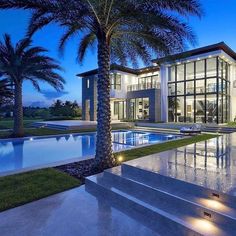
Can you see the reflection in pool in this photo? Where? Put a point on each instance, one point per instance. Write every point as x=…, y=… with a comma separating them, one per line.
x=22, y=153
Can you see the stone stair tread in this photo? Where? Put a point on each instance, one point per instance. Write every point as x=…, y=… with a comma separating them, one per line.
x=176, y=217
x=231, y=212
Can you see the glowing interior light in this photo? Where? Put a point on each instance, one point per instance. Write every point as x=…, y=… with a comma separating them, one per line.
x=31, y=139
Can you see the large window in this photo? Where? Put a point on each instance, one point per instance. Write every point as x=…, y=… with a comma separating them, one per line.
x=120, y=109
x=139, y=109
x=115, y=81
x=199, y=91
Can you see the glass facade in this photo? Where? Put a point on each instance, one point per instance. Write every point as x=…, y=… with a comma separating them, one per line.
x=120, y=109
x=198, y=91
x=144, y=83
x=115, y=81
x=139, y=109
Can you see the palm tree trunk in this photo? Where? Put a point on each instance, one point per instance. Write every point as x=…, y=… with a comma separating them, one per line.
x=104, y=155
x=18, y=111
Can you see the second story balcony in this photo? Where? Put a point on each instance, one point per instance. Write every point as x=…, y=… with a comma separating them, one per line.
x=144, y=86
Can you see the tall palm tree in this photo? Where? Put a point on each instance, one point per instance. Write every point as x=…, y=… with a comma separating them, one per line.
x=22, y=62
x=6, y=92
x=126, y=30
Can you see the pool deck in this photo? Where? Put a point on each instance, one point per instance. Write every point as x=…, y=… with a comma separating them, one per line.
x=208, y=165
x=78, y=124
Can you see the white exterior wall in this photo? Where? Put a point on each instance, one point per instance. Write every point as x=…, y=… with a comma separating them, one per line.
x=164, y=93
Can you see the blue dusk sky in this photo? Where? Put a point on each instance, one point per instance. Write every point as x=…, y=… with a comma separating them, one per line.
x=218, y=24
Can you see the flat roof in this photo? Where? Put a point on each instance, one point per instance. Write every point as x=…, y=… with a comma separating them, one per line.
x=210, y=48
x=123, y=69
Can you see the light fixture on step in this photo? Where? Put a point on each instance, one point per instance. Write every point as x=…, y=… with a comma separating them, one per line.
x=216, y=195
x=207, y=215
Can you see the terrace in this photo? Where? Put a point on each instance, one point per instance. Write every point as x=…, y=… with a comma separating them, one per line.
x=141, y=198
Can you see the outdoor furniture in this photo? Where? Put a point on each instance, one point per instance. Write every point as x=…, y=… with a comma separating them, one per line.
x=193, y=130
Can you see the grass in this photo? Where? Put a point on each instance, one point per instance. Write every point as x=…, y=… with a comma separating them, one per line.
x=161, y=147
x=231, y=124
x=8, y=123
x=16, y=190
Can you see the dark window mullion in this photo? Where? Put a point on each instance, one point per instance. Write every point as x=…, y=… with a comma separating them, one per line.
x=185, y=118
x=217, y=90
x=195, y=102
x=175, y=93
x=205, y=97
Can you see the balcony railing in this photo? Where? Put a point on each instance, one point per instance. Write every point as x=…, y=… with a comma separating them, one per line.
x=136, y=87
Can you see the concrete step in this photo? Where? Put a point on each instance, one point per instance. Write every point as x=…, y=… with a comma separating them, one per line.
x=176, y=201
x=158, y=220
x=170, y=214
x=156, y=180
x=50, y=126
x=205, y=128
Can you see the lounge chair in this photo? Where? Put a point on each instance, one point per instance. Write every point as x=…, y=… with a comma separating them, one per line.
x=195, y=129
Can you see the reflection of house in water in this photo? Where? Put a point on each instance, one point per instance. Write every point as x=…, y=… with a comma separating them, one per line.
x=18, y=156
x=88, y=143
x=203, y=162
x=130, y=138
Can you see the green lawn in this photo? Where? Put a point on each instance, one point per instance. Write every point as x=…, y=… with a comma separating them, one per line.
x=161, y=147
x=231, y=124
x=8, y=123
x=19, y=189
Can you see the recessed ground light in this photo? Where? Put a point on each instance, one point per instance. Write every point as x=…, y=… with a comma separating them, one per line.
x=216, y=195
x=207, y=215
x=120, y=158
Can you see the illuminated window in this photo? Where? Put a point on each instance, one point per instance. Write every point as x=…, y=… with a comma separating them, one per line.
x=88, y=83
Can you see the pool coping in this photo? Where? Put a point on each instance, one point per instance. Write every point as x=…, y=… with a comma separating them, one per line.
x=77, y=159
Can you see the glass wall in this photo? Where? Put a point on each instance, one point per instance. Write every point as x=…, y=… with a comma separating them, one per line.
x=120, y=109
x=139, y=109
x=115, y=81
x=199, y=91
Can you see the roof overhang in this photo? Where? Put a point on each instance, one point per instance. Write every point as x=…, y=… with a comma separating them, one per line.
x=198, y=51
x=122, y=69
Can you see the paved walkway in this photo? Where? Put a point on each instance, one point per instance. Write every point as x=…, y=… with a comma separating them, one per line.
x=74, y=212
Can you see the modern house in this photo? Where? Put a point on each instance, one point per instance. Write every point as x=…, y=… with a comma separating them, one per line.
x=195, y=86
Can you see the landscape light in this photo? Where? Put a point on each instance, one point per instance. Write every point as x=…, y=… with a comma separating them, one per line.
x=120, y=158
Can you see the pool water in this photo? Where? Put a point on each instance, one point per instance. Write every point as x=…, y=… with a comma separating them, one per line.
x=30, y=152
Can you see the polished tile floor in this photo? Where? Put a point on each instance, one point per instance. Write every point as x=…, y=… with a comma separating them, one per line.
x=211, y=163
x=74, y=212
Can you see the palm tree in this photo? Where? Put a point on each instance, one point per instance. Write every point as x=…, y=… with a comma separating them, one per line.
x=24, y=62
x=6, y=92
x=124, y=31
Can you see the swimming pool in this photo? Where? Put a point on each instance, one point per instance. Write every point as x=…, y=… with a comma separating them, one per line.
x=17, y=154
